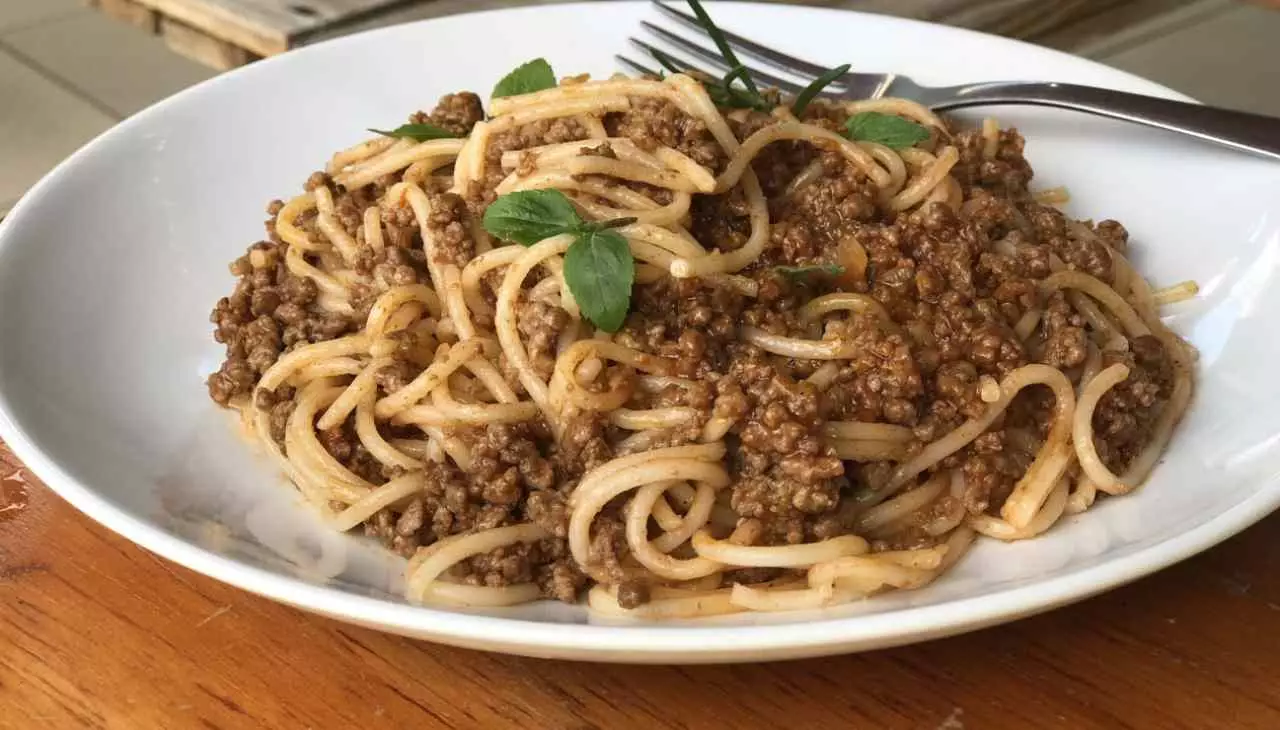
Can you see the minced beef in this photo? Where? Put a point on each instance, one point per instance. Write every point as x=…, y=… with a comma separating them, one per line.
x=787, y=477
x=684, y=320
x=457, y=113
x=1125, y=416
x=540, y=324
x=808, y=225
x=653, y=122
x=450, y=229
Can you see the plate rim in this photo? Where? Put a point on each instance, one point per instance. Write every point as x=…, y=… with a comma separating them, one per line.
x=639, y=642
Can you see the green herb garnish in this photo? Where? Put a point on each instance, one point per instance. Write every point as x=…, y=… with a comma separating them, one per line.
x=667, y=62
x=598, y=266
x=416, y=132
x=726, y=51
x=600, y=271
x=723, y=92
x=888, y=130
x=530, y=216
x=815, y=87
x=535, y=75
x=797, y=272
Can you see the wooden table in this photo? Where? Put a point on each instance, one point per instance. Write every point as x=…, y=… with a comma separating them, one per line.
x=95, y=632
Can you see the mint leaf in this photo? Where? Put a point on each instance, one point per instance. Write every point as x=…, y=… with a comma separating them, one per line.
x=417, y=132
x=535, y=75
x=815, y=87
x=802, y=271
x=888, y=130
x=600, y=271
x=598, y=266
x=530, y=216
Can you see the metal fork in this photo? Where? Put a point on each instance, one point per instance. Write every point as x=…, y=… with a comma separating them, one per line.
x=1239, y=130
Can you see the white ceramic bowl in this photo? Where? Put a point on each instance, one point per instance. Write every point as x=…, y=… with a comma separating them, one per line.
x=109, y=266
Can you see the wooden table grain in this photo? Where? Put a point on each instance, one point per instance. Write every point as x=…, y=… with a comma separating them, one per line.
x=95, y=632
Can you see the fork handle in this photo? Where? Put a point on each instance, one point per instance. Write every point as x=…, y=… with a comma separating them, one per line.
x=1240, y=130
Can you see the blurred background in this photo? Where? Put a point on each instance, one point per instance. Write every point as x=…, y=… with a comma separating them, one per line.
x=71, y=68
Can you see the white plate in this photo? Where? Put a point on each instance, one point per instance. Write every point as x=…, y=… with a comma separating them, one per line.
x=109, y=266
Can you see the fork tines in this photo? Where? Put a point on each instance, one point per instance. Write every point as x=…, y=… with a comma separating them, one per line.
x=702, y=56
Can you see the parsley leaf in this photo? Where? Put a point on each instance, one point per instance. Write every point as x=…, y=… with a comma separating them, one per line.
x=535, y=75
x=801, y=271
x=530, y=216
x=600, y=271
x=888, y=130
x=815, y=87
x=416, y=132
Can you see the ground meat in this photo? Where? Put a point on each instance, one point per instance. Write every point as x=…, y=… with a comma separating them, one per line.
x=541, y=323
x=778, y=163
x=546, y=563
x=343, y=445
x=808, y=224
x=280, y=411
x=449, y=224
x=582, y=446
x=506, y=464
x=506, y=459
x=786, y=476
x=882, y=382
x=395, y=265
x=989, y=474
x=395, y=376
x=603, y=149
x=534, y=134
x=457, y=113
x=689, y=321
x=1113, y=235
x=1125, y=416
x=1065, y=341
x=549, y=510
x=632, y=593
x=748, y=576
x=269, y=312
x=608, y=546
x=400, y=230
x=1006, y=174
x=1084, y=252
x=653, y=122
x=721, y=221
x=456, y=502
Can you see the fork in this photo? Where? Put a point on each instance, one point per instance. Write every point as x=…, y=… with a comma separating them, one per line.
x=1244, y=131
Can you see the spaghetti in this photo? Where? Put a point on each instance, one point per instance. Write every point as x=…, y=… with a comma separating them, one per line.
x=842, y=360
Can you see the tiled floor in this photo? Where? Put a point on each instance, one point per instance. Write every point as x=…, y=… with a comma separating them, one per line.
x=67, y=72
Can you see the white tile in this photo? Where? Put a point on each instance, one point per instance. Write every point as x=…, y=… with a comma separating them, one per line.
x=20, y=13
x=121, y=67
x=1231, y=59
x=41, y=124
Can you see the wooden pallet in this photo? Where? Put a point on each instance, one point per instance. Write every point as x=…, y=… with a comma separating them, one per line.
x=229, y=33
